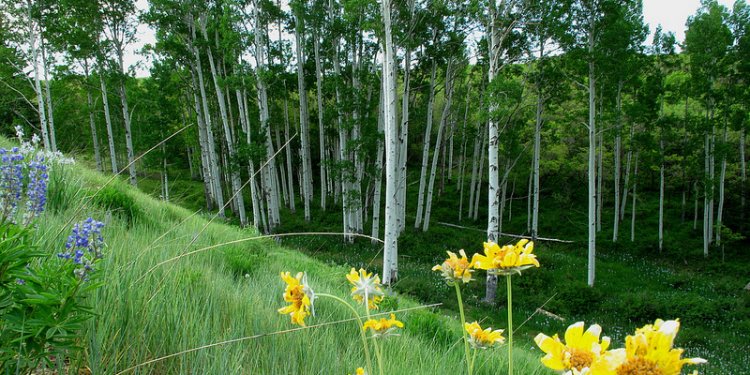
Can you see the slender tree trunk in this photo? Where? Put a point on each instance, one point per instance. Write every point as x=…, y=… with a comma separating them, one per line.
x=108, y=121
x=436, y=154
x=307, y=192
x=206, y=164
x=695, y=205
x=534, y=217
x=482, y=163
x=289, y=169
x=462, y=161
x=635, y=196
x=321, y=127
x=92, y=122
x=592, y=162
x=426, y=147
x=48, y=99
x=126, y=117
x=626, y=183
x=617, y=161
x=599, y=175
x=379, y=176
x=37, y=80
x=392, y=215
x=234, y=174
x=218, y=193
x=722, y=176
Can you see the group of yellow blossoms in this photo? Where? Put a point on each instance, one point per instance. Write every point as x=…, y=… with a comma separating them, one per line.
x=648, y=352
x=495, y=260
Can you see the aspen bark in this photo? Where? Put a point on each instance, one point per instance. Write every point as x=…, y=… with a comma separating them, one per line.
x=304, y=118
x=392, y=217
x=592, y=161
x=635, y=196
x=426, y=148
x=48, y=99
x=321, y=127
x=37, y=80
x=92, y=122
x=617, y=161
x=722, y=177
x=108, y=122
x=436, y=154
x=379, y=176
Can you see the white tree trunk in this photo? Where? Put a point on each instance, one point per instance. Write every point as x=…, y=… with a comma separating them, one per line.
x=436, y=154
x=304, y=119
x=37, y=80
x=599, y=177
x=108, y=121
x=535, y=163
x=289, y=169
x=237, y=197
x=426, y=147
x=213, y=158
x=635, y=196
x=626, y=181
x=126, y=115
x=321, y=127
x=379, y=176
x=92, y=121
x=617, y=152
x=592, y=162
x=722, y=177
x=208, y=180
x=48, y=99
x=482, y=163
x=392, y=217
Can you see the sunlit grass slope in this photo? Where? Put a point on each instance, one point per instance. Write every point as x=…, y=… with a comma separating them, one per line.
x=150, y=307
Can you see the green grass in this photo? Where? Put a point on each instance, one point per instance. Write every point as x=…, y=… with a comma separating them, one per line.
x=146, y=310
x=635, y=283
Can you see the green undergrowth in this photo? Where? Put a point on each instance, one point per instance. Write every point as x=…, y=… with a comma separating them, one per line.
x=159, y=299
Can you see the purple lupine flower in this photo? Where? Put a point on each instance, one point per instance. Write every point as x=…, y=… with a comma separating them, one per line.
x=84, y=246
x=11, y=182
x=36, y=190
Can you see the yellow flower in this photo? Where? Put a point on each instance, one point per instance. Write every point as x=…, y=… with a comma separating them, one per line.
x=383, y=327
x=581, y=352
x=360, y=371
x=365, y=286
x=483, y=339
x=300, y=297
x=455, y=268
x=650, y=351
x=507, y=259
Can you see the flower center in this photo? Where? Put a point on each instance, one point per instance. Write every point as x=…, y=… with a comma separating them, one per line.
x=580, y=359
x=639, y=366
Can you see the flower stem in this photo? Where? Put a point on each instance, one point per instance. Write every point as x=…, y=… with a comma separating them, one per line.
x=510, y=326
x=473, y=360
x=362, y=335
x=378, y=356
x=463, y=327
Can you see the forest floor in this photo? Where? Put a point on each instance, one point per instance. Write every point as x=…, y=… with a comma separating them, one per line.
x=636, y=283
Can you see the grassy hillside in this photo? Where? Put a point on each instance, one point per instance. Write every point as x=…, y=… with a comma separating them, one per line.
x=148, y=308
